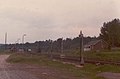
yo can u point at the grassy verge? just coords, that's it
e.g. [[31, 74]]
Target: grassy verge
[[89, 70], [4, 53], [109, 56], [102, 55]]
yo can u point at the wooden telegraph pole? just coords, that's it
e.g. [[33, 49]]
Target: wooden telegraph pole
[[62, 52], [62, 45], [5, 40], [81, 49], [23, 37], [51, 48]]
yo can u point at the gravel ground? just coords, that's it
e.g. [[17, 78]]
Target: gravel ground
[[8, 73], [110, 75], [25, 71], [44, 72]]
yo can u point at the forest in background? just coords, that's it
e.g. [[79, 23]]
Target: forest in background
[[50, 45]]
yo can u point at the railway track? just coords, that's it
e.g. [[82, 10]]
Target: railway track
[[87, 60], [92, 61]]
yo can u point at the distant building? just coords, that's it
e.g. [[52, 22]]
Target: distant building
[[96, 45]]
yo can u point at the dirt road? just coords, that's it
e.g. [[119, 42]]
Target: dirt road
[[110, 75], [7, 73]]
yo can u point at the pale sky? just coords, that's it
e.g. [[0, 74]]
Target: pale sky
[[52, 19]]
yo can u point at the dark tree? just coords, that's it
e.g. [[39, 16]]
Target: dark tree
[[110, 32]]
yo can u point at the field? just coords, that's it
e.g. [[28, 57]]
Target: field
[[89, 71]]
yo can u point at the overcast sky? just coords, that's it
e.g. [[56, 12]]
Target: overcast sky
[[51, 19]]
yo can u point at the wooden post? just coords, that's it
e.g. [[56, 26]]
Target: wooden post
[[81, 49]]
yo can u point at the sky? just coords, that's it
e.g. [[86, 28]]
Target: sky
[[53, 19]]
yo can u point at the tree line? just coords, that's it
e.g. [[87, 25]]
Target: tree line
[[50, 45], [110, 33]]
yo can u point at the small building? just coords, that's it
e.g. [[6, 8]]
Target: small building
[[95, 45]]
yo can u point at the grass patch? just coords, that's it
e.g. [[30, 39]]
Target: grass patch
[[109, 56], [89, 70], [113, 55], [4, 53]]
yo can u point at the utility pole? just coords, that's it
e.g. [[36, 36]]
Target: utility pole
[[62, 46], [23, 38], [81, 48], [62, 52], [5, 40], [51, 48], [23, 42], [17, 41]]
